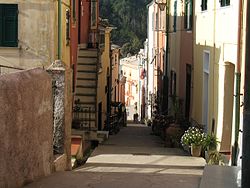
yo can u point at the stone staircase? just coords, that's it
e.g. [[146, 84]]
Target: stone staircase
[[86, 89]]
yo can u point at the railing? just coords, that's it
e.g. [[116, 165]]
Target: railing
[[82, 117], [4, 69]]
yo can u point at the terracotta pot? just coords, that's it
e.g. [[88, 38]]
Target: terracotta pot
[[195, 150]]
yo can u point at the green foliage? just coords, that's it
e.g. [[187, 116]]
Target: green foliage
[[211, 142], [215, 158], [130, 18]]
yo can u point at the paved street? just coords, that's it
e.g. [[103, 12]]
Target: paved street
[[132, 158]]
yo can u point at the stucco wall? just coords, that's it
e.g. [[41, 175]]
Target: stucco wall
[[36, 45], [26, 122], [102, 76]]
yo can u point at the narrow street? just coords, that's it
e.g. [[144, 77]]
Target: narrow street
[[132, 158]]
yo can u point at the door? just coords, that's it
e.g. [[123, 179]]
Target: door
[[188, 91], [100, 116], [206, 67]]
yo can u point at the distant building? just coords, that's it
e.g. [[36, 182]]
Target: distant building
[[129, 68]]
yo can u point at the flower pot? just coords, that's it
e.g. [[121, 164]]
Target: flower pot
[[195, 150]]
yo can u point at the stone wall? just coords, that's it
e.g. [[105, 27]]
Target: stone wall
[[26, 127], [62, 100]]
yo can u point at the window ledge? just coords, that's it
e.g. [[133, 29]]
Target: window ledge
[[9, 50]]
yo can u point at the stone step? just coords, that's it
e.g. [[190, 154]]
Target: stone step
[[90, 83], [87, 72], [220, 176], [86, 90], [84, 67], [85, 99], [86, 75], [86, 60], [86, 104], [87, 53]]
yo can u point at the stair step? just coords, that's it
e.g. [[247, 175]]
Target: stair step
[[86, 86], [86, 90], [87, 103], [86, 56], [93, 79], [87, 53], [87, 82], [86, 63], [85, 94], [86, 71], [86, 68], [85, 75], [85, 98]]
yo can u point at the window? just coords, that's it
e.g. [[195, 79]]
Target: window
[[203, 5], [74, 10], [175, 15], [157, 21], [67, 27], [188, 19], [93, 14], [173, 83], [8, 25], [224, 3]]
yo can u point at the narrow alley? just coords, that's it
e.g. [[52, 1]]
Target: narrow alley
[[132, 158]]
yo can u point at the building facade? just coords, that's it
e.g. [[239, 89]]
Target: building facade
[[218, 68], [25, 41]]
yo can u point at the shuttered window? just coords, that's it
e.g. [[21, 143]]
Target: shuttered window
[[203, 5], [224, 3], [8, 25], [188, 18]]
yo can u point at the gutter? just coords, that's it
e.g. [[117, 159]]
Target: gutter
[[237, 95], [59, 47]]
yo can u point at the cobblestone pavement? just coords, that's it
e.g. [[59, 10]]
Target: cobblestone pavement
[[132, 158]]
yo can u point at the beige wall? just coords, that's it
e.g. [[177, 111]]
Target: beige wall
[[26, 121], [215, 31], [35, 34]]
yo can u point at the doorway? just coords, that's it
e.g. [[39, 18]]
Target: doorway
[[188, 91], [205, 111], [100, 116]]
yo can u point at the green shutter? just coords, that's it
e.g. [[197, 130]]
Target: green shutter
[[9, 38], [191, 14], [175, 15], [1, 24]]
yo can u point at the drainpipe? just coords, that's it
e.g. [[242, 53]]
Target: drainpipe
[[235, 147], [59, 48], [246, 113]]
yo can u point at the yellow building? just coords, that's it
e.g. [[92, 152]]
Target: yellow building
[[115, 73], [218, 37], [104, 77]]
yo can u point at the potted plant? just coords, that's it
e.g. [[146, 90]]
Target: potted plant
[[194, 138], [211, 142]]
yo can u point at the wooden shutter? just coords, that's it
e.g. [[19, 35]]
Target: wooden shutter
[[1, 24], [9, 36]]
